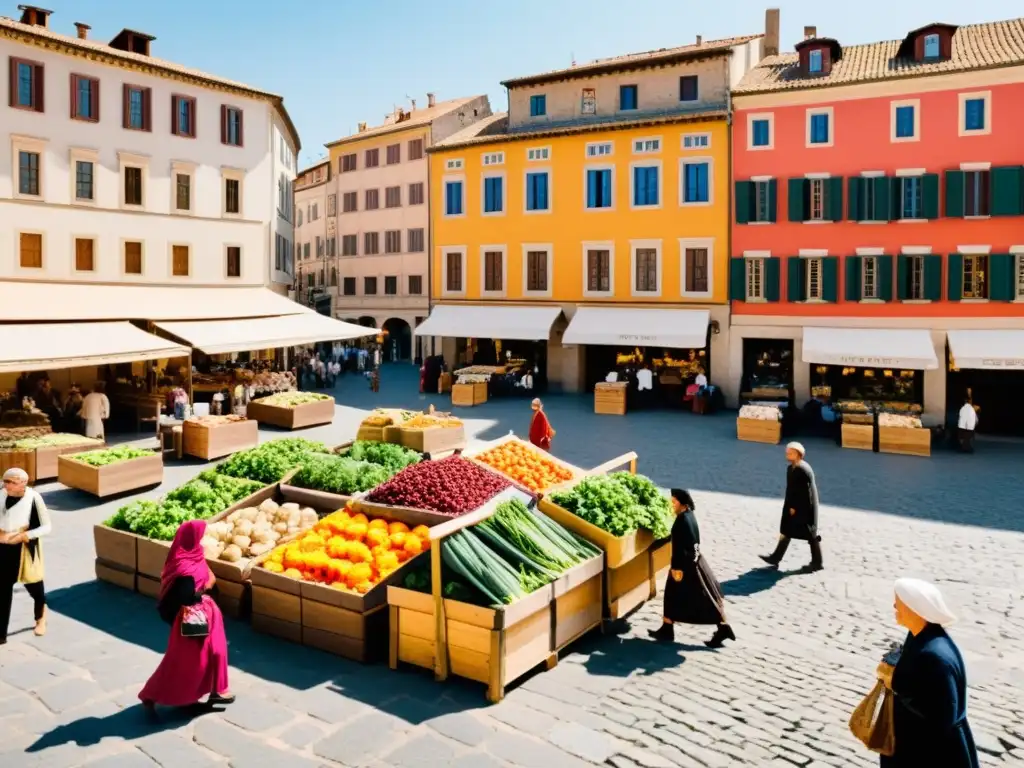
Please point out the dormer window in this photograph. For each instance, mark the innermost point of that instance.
(814, 62)
(930, 43)
(931, 46)
(818, 55)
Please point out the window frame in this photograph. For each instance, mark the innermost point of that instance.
(344, 161)
(344, 285)
(758, 183)
(391, 234)
(366, 284)
(345, 197)
(422, 237)
(375, 191)
(19, 267)
(355, 239)
(980, 265)
(548, 249)
(754, 117)
(539, 154)
(454, 178)
(415, 149)
(962, 99)
(78, 155)
(809, 262)
(693, 137)
(696, 160)
(902, 179)
(396, 148)
(694, 244)
(646, 245)
(982, 194)
(170, 259)
(128, 160)
(639, 145)
(587, 167)
(537, 170)
(38, 85)
(146, 106)
(375, 250)
(484, 290)
(631, 88)
(75, 237)
(486, 176)
(408, 282)
(754, 273)
(810, 114)
(538, 100)
(94, 94)
(931, 38)
(894, 108)
(26, 149)
(633, 167)
(598, 245)
(397, 189)
(420, 188)
(819, 59)
(177, 99)
(232, 174)
(372, 152)
(865, 295)
(179, 168)
(123, 251)
(685, 80)
(593, 150)
(226, 111)
(453, 250)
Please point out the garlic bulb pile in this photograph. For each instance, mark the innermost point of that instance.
(254, 531)
(902, 420)
(761, 413)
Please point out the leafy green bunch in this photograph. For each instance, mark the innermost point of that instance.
(292, 399)
(390, 456)
(339, 474)
(269, 462)
(619, 503)
(107, 456)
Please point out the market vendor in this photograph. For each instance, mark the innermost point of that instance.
(95, 408)
(967, 422)
(541, 432)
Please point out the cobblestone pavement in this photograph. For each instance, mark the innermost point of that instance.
(779, 697)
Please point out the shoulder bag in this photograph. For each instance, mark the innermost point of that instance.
(872, 723)
(193, 621)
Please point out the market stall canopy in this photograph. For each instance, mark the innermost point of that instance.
(993, 350)
(910, 349)
(633, 326)
(48, 346)
(476, 322)
(63, 302)
(216, 337)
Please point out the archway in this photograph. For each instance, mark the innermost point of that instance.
(397, 339)
(367, 321)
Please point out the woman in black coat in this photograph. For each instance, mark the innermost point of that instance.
(692, 594)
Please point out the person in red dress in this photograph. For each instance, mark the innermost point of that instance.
(540, 428)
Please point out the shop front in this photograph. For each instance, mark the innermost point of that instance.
(768, 372)
(986, 367)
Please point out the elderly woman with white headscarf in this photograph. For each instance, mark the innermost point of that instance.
(24, 519)
(929, 683)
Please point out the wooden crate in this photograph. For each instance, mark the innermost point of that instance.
(468, 395)
(474, 455)
(111, 479)
(860, 437)
(46, 458)
(370, 432)
(433, 440)
(444, 383)
(610, 398)
(618, 550)
(317, 499)
(759, 431)
(907, 441)
(276, 605)
(19, 459)
(114, 575)
(118, 549)
(299, 417)
(205, 442)
(147, 587)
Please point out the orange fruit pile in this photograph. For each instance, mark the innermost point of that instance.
(348, 551)
(526, 466)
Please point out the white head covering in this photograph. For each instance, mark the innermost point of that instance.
(16, 473)
(798, 447)
(924, 599)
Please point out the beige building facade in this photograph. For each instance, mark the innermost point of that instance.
(316, 267)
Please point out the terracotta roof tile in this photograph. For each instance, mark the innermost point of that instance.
(633, 60)
(418, 117)
(976, 46)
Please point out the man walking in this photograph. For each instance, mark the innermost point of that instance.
(967, 422)
(799, 511)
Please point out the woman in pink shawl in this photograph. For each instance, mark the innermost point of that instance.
(192, 667)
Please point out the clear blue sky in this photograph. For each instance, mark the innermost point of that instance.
(340, 62)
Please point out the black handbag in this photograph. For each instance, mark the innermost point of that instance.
(193, 621)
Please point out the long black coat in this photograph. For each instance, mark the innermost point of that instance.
(930, 684)
(802, 496)
(697, 598)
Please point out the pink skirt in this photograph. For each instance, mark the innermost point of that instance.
(192, 667)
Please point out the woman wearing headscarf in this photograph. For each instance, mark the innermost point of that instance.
(24, 520)
(195, 663)
(930, 685)
(692, 593)
(541, 432)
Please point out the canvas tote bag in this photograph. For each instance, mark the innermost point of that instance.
(872, 722)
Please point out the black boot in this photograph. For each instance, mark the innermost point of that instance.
(817, 563)
(723, 633)
(666, 633)
(780, 552)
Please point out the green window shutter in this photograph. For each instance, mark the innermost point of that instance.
(955, 194)
(744, 201)
(773, 199)
(885, 278)
(835, 198)
(795, 279)
(933, 277)
(895, 199)
(902, 266)
(955, 264)
(930, 195)
(797, 199)
(853, 285)
(883, 187)
(1000, 277)
(1008, 191)
(738, 279)
(853, 195)
(771, 279)
(830, 277)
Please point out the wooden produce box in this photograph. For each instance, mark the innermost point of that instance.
(21, 460)
(46, 458)
(474, 456)
(116, 549)
(370, 432)
(299, 417)
(114, 575)
(859, 436)
(111, 479)
(469, 394)
(308, 497)
(907, 441)
(759, 431)
(433, 440)
(444, 383)
(205, 442)
(276, 605)
(610, 398)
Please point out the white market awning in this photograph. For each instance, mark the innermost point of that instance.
(73, 345)
(216, 337)
(66, 302)
(499, 322)
(909, 349)
(994, 350)
(633, 326)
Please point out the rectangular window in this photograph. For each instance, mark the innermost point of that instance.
(416, 193)
(538, 105)
(696, 270)
(599, 270)
(85, 254)
(182, 192)
(494, 158)
(645, 186)
(599, 188)
(696, 183)
(915, 278)
(646, 269)
(453, 165)
(394, 154)
(232, 195)
(26, 84)
(372, 199)
(371, 243)
(390, 286)
(688, 88)
(231, 126)
(350, 245)
(494, 195)
(332, 247)
(392, 197)
(755, 279)
(602, 149)
(816, 208)
(627, 97)
(30, 250)
(332, 205)
(85, 98)
(976, 193)
(305, 250)
(819, 129)
(136, 108)
(414, 238)
(453, 272)
(179, 260)
(315, 214)
(910, 205)
(348, 286)
(537, 271)
(370, 286)
(869, 277)
(537, 191)
(28, 173)
(183, 116)
(814, 61)
(762, 201)
(319, 247)
(868, 199)
(133, 258)
(905, 122)
(975, 276)
(372, 158)
(931, 46)
(538, 153)
(416, 149)
(813, 271)
(974, 115)
(348, 163)
(1019, 274)
(349, 202)
(761, 133)
(646, 146)
(415, 285)
(132, 185)
(493, 271)
(393, 241)
(453, 198)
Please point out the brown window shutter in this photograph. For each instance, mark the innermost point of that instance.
(147, 109)
(241, 126)
(223, 124)
(826, 61)
(12, 81)
(174, 115)
(96, 99)
(919, 48)
(126, 95)
(39, 83)
(193, 117)
(72, 96)
(946, 45)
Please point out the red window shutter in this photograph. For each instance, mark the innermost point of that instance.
(223, 124)
(126, 97)
(826, 61)
(174, 115)
(919, 48)
(38, 83)
(72, 96)
(946, 45)
(12, 81)
(147, 109)
(241, 126)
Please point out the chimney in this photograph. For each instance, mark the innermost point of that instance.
(362, 128)
(83, 30)
(770, 41)
(34, 16)
(810, 33)
(699, 39)
(430, 100)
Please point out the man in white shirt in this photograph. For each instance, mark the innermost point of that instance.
(644, 379)
(966, 424)
(701, 380)
(95, 408)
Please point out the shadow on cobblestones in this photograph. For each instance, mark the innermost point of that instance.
(753, 581)
(128, 724)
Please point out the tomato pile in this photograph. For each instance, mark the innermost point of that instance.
(526, 466)
(452, 486)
